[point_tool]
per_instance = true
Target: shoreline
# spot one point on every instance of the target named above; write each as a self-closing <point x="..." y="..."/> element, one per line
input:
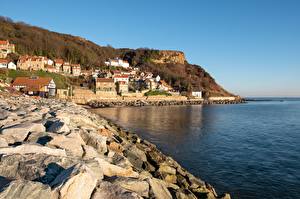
<point x="73" y="152"/>
<point x="139" y="103"/>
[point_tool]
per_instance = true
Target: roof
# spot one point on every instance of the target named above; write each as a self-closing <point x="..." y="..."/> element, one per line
<point x="105" y="80"/>
<point x="3" y="61"/>
<point x="4" y="42"/>
<point x="32" y="83"/>
<point x="121" y="76"/>
<point x="59" y="61"/>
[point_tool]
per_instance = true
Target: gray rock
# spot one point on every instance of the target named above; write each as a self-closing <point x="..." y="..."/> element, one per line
<point x="108" y="190"/>
<point x="158" y="189"/>
<point x="32" y="148"/>
<point x="138" y="186"/>
<point x="21" y="189"/>
<point x="3" y="114"/>
<point x="77" y="181"/>
<point x="95" y="140"/>
<point x="19" y="132"/>
<point x="58" y="127"/>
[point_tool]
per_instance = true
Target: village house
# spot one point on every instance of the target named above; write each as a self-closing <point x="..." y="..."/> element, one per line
<point x="121" y="78"/>
<point x="4" y="63"/>
<point x="117" y="63"/>
<point x="105" y="87"/>
<point x="66" y="68"/>
<point x="76" y="69"/>
<point x="37" y="86"/>
<point x="51" y="69"/>
<point x="197" y="94"/>
<point x="58" y="64"/>
<point x="32" y="62"/>
<point x="6" y="48"/>
<point x="122" y="87"/>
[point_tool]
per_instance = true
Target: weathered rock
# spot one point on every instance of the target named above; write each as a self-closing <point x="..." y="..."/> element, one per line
<point x="20" y="189"/>
<point x="163" y="168"/>
<point x="113" y="170"/>
<point x="39" y="167"/>
<point x="158" y="189"/>
<point x="58" y="127"/>
<point x="31" y="148"/>
<point x="3" y="142"/>
<point x="135" y="156"/>
<point x="72" y="143"/>
<point x="185" y="194"/>
<point x="19" y="132"/>
<point x="77" y="181"/>
<point x="3" y="114"/>
<point x="138" y="186"/>
<point x="108" y="190"/>
<point x="94" y="140"/>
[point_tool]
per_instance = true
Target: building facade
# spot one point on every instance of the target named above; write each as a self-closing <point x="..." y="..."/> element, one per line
<point x="105" y="87"/>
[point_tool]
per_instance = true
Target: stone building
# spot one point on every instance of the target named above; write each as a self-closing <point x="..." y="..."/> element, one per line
<point x="32" y="62"/>
<point x="122" y="87"/>
<point x="105" y="87"/>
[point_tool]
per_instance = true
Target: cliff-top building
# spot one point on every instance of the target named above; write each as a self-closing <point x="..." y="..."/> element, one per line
<point x="105" y="87"/>
<point x="6" y="48"/>
<point x="117" y="63"/>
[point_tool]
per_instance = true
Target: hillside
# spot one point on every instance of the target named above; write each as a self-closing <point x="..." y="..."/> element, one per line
<point x="170" y="65"/>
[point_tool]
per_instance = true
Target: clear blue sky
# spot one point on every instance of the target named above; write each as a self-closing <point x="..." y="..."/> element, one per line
<point x="251" y="47"/>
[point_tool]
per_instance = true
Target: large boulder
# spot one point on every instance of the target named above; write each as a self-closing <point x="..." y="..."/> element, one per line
<point x="32" y="148"/>
<point x="95" y="140"/>
<point x="72" y="143"/>
<point x="3" y="114"/>
<point x="58" y="127"/>
<point x="38" y="167"/>
<point x="159" y="189"/>
<point x="77" y="181"/>
<point x="108" y="190"/>
<point x="22" y="189"/>
<point x="18" y="133"/>
<point x="113" y="170"/>
<point x="135" y="185"/>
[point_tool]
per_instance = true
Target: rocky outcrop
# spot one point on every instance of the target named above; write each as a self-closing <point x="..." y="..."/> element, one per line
<point x="56" y="149"/>
<point x="170" y="56"/>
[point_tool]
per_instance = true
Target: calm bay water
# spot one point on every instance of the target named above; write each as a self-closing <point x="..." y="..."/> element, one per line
<point x="249" y="150"/>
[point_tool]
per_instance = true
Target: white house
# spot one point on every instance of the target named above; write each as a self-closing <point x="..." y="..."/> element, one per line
<point x="157" y="78"/>
<point x="117" y="62"/>
<point x="12" y="66"/>
<point x="121" y="78"/>
<point x="197" y="94"/>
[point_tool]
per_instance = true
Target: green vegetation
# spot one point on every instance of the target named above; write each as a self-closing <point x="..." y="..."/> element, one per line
<point x="9" y="75"/>
<point x="157" y="92"/>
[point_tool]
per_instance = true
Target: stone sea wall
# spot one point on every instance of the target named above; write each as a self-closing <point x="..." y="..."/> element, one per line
<point x="57" y="149"/>
<point x="137" y="103"/>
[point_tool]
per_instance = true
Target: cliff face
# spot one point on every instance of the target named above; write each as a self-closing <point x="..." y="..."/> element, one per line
<point x="170" y="65"/>
<point x="169" y="56"/>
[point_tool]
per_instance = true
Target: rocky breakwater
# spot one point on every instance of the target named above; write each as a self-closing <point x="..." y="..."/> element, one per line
<point x="137" y="103"/>
<point x="56" y="149"/>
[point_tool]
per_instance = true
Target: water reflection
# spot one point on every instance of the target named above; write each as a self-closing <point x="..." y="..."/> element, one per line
<point x="156" y="121"/>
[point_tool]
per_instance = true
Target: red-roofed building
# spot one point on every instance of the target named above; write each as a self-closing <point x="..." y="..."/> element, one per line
<point x="27" y="62"/>
<point x="76" y="69"/>
<point x="105" y="87"/>
<point x="3" y="63"/>
<point x="123" y="78"/>
<point x="6" y="48"/>
<point x="38" y="86"/>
